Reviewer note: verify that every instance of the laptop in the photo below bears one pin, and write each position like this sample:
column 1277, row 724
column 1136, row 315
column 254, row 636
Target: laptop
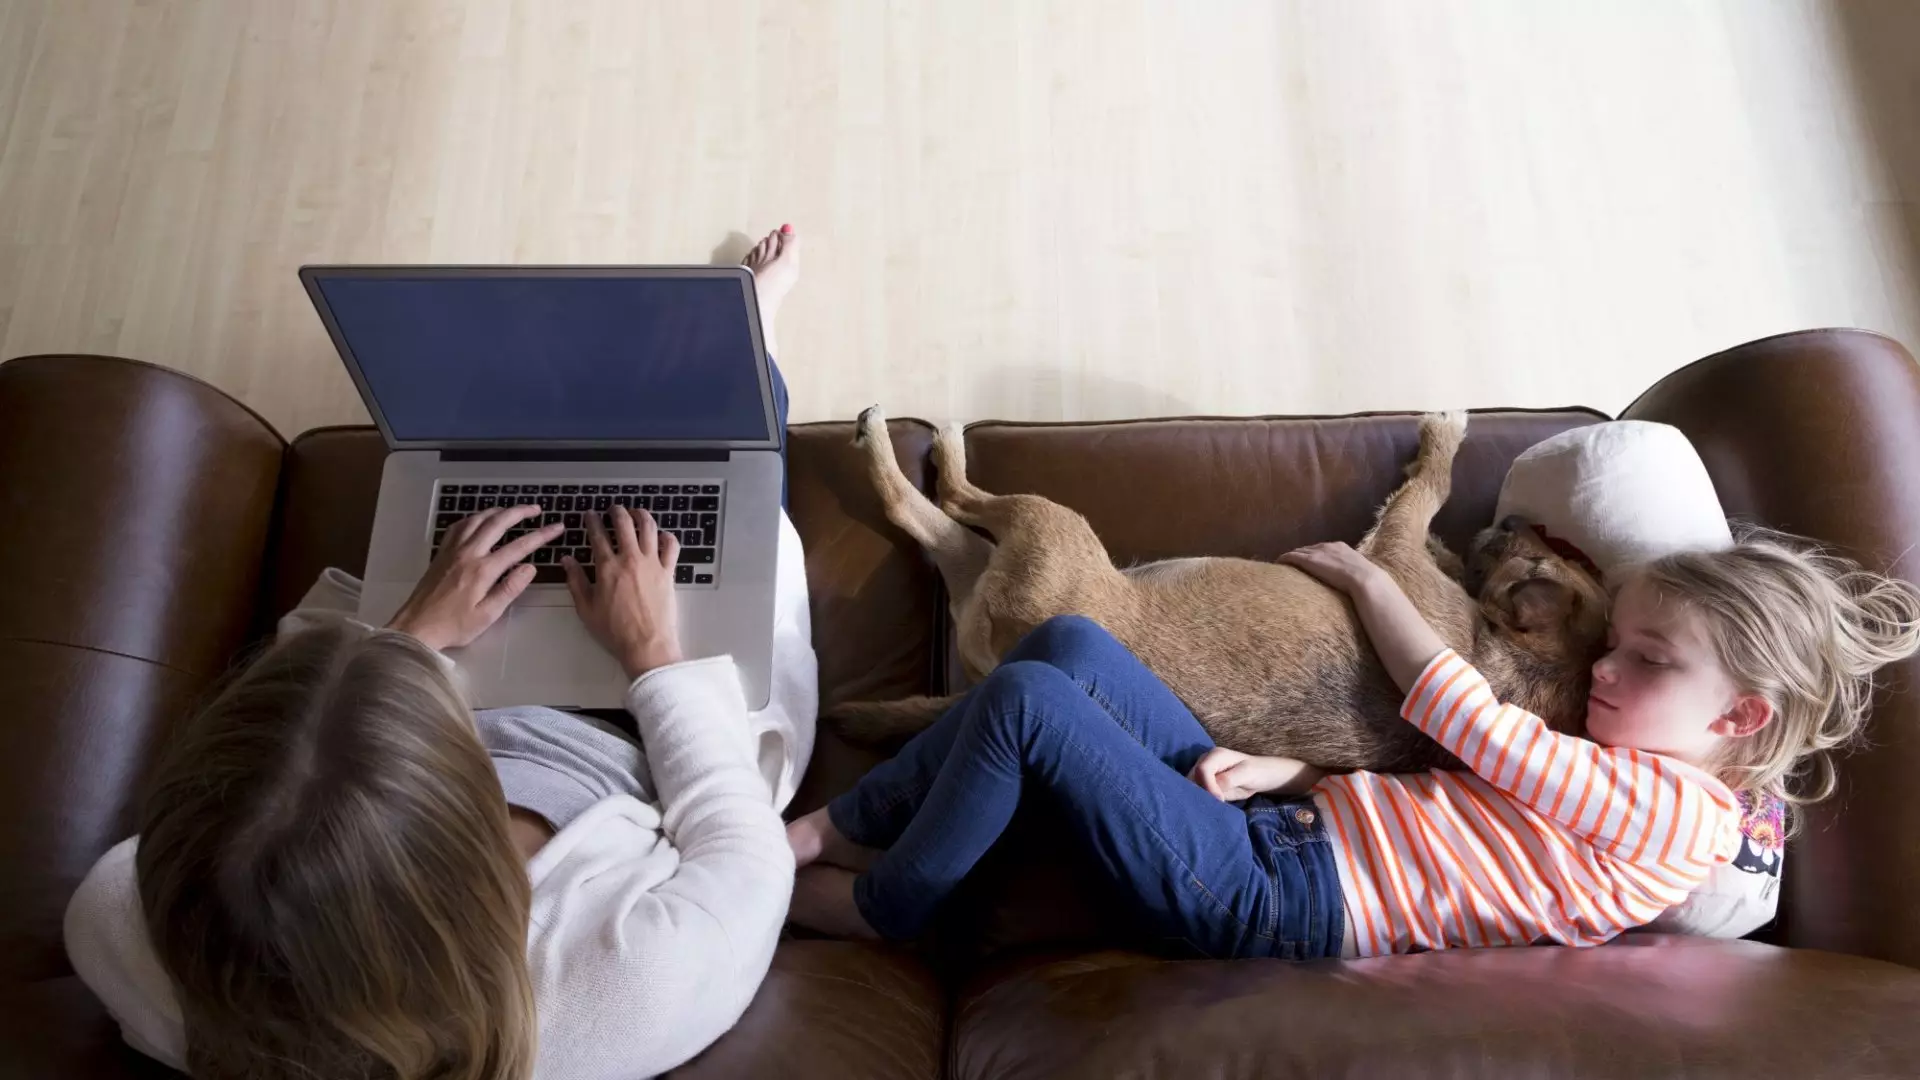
column 576, row 389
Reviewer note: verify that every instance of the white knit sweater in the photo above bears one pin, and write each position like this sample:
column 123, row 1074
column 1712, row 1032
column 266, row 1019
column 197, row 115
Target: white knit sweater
column 652, row 925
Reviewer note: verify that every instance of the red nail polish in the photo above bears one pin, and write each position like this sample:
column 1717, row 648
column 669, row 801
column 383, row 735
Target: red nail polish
column 786, row 228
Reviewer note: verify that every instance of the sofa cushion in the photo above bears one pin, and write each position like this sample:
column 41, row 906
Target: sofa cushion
column 838, row 1009
column 1671, row 1006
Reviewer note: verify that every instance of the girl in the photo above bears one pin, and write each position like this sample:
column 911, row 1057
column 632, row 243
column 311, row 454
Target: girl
column 342, row 871
column 1726, row 672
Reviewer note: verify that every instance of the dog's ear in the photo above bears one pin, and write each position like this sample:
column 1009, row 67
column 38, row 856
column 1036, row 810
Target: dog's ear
column 1539, row 604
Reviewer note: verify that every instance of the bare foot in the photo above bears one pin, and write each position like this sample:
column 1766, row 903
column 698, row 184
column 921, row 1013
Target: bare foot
column 775, row 262
column 813, row 837
column 823, row 902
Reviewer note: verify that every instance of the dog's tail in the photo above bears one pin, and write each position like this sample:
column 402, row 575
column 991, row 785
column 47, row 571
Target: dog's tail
column 886, row 724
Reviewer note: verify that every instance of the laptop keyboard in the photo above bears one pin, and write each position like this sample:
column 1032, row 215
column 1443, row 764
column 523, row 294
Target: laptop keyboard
column 690, row 510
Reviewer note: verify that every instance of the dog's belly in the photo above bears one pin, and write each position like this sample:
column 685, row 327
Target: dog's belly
column 1272, row 662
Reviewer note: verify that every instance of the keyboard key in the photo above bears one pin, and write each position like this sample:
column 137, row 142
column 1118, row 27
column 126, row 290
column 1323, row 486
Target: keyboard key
column 623, row 500
column 544, row 502
column 572, row 521
column 542, row 556
column 669, row 521
column 549, row 489
column 683, row 575
column 569, row 489
column 583, row 556
column 603, row 503
column 549, row 573
column 710, row 489
column 703, row 579
column 709, row 537
column 490, row 489
column 630, row 489
column 466, row 504
column 445, row 520
column 509, row 489
column 670, row 489
column 549, row 519
column 563, row 503
column 706, row 502
column 696, row 555
column 574, row 537
column 589, row 489
column 649, row 489
column 709, row 521
column 449, row 502
column 487, row 502
column 681, row 502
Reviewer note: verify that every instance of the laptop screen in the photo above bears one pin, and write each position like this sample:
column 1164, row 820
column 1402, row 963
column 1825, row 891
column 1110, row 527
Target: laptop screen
column 487, row 357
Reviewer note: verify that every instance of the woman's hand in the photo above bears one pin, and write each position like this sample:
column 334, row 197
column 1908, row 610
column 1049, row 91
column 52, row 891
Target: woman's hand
column 1230, row 776
column 470, row 585
column 1337, row 565
column 629, row 606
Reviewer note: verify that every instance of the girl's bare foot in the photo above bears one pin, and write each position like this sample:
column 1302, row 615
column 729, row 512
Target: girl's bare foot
column 775, row 262
column 823, row 902
column 813, row 837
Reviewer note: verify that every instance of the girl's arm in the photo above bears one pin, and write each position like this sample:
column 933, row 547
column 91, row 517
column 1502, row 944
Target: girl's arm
column 1230, row 776
column 1399, row 633
column 1639, row 807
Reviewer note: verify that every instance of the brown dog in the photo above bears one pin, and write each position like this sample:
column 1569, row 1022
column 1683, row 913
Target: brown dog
column 1269, row 660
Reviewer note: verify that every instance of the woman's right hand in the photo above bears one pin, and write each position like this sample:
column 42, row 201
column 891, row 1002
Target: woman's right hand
column 629, row 607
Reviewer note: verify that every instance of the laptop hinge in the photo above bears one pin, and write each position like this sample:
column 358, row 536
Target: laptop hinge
column 585, row 455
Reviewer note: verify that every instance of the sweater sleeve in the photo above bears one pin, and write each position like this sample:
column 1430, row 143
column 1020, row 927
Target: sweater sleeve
column 688, row 952
column 1645, row 809
column 107, row 943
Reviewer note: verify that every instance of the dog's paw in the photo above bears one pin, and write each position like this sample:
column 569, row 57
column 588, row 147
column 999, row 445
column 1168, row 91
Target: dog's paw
column 1442, row 432
column 872, row 424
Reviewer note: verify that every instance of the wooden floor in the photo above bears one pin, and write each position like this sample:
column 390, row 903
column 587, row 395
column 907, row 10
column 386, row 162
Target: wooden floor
column 1029, row 209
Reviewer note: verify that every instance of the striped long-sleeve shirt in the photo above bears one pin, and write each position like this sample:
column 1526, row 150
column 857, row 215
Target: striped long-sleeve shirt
column 1549, row 837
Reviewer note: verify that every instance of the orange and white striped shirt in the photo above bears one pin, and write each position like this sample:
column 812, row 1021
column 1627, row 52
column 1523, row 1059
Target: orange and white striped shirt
column 1549, row 837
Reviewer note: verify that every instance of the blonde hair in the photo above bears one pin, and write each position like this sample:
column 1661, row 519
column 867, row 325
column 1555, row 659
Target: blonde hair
column 327, row 876
column 1806, row 630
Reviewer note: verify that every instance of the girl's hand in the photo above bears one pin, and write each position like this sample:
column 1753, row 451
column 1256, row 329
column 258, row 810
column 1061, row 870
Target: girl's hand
column 470, row 585
column 629, row 606
column 1337, row 565
column 1230, row 776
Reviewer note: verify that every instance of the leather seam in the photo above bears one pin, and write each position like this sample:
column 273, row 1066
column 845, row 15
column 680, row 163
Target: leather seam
column 103, row 652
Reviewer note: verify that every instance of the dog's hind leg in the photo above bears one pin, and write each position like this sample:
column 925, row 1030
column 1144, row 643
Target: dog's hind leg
column 886, row 724
column 1400, row 536
column 959, row 553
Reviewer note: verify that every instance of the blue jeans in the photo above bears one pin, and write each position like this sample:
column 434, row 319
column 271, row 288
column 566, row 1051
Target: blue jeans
column 1072, row 713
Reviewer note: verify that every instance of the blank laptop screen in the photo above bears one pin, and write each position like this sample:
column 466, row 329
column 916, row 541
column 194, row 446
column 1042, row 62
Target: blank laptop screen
column 491, row 359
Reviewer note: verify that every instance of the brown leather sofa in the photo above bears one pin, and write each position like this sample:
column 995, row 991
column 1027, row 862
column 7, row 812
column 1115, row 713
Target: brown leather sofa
column 152, row 526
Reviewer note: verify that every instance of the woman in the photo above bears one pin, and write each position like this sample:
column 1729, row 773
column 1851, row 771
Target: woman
column 342, row 871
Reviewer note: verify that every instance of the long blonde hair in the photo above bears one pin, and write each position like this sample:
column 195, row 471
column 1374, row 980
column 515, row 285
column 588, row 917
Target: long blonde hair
column 1805, row 629
column 326, row 873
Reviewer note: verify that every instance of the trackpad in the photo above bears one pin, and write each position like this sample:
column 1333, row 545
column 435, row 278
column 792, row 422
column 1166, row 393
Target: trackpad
column 551, row 645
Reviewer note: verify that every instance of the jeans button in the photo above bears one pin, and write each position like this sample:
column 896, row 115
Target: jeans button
column 1303, row 815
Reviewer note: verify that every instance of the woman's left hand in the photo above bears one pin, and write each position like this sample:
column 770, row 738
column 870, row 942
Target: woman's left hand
column 471, row 584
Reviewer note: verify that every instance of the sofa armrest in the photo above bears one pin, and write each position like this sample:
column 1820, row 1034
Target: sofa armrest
column 1818, row 433
column 137, row 503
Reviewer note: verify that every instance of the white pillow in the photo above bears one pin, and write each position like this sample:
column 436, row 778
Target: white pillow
column 1626, row 492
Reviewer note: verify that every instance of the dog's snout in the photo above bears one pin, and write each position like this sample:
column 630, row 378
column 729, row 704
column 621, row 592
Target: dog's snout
column 1514, row 523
